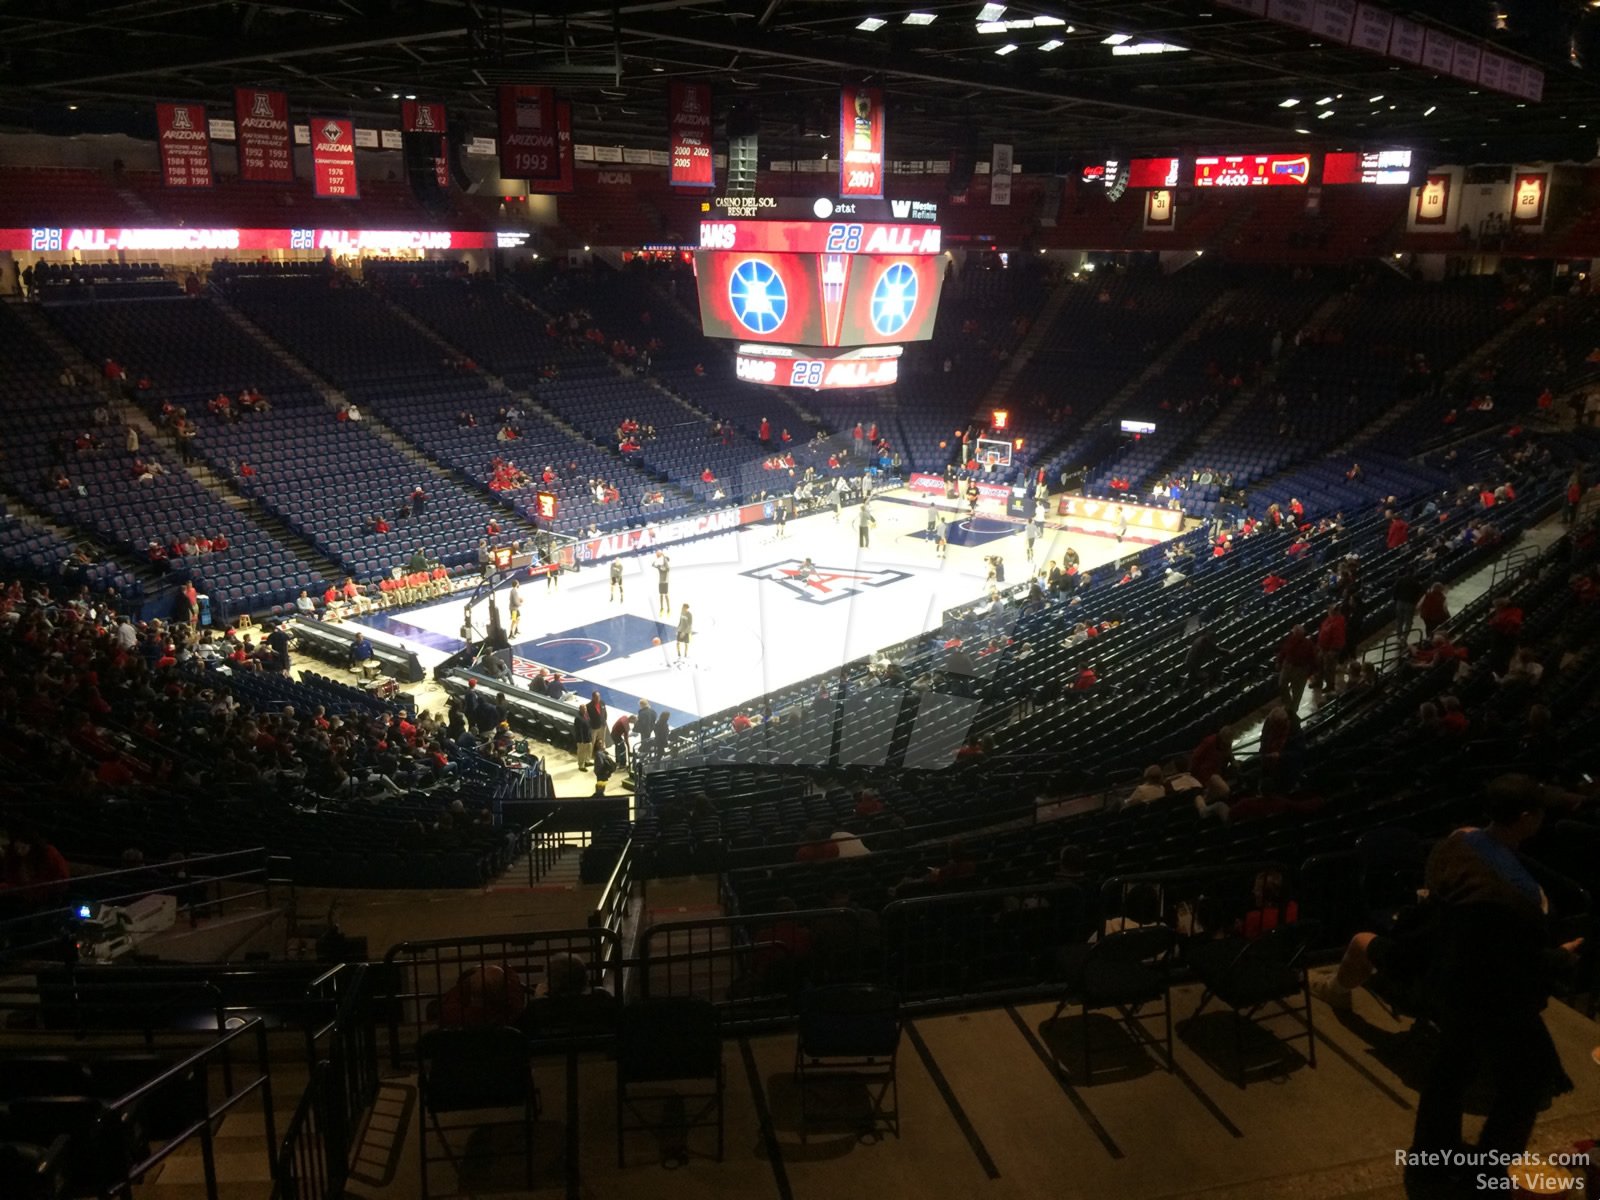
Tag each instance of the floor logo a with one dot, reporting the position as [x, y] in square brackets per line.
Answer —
[824, 585]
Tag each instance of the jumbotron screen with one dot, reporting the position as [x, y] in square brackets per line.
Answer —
[819, 283]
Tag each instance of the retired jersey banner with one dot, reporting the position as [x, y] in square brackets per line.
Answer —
[261, 128]
[861, 141]
[185, 140]
[529, 139]
[689, 126]
[563, 182]
[422, 116]
[333, 158]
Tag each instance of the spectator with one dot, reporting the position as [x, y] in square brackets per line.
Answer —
[1297, 659]
[1331, 642]
[1434, 610]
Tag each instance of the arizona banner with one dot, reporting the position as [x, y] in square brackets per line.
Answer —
[333, 158]
[689, 125]
[261, 126]
[422, 116]
[564, 180]
[529, 139]
[861, 141]
[185, 142]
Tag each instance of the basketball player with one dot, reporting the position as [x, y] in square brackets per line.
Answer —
[865, 524]
[943, 542]
[1122, 523]
[1032, 537]
[972, 499]
[806, 571]
[838, 499]
[514, 603]
[933, 521]
[780, 514]
[663, 566]
[616, 579]
[685, 631]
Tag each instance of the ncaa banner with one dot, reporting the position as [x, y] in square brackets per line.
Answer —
[689, 134]
[1000, 175]
[861, 141]
[185, 141]
[261, 128]
[333, 159]
[529, 139]
[564, 180]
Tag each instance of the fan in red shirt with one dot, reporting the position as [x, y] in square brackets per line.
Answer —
[1331, 635]
[1399, 530]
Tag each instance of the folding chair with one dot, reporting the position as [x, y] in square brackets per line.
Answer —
[669, 1040]
[1248, 976]
[851, 1031]
[1125, 971]
[466, 1070]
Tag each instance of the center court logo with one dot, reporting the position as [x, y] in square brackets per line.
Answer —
[823, 585]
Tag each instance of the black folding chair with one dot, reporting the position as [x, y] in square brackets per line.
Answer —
[1265, 973]
[669, 1040]
[851, 1031]
[1127, 971]
[469, 1070]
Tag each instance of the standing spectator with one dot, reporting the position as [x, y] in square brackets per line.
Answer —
[663, 566]
[616, 580]
[1213, 756]
[1297, 659]
[1505, 628]
[619, 738]
[1408, 591]
[1399, 530]
[583, 738]
[1331, 641]
[1434, 610]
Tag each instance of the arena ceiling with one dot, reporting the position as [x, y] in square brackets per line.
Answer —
[1060, 94]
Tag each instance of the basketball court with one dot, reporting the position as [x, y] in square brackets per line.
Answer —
[761, 621]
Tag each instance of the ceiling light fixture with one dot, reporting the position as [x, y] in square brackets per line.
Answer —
[1051, 22]
[1008, 48]
[1326, 100]
[1148, 48]
[1019, 23]
[1052, 44]
[1323, 116]
[991, 12]
[1374, 99]
[991, 26]
[919, 18]
[1289, 103]
[1116, 39]
[1432, 108]
[871, 24]
[1304, 131]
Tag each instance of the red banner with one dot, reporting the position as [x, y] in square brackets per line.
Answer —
[185, 141]
[563, 182]
[422, 116]
[529, 137]
[333, 158]
[861, 141]
[266, 147]
[690, 136]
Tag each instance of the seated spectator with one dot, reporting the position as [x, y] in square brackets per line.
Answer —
[304, 605]
[1141, 909]
[1152, 787]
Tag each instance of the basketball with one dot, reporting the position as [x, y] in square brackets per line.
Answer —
[655, 641]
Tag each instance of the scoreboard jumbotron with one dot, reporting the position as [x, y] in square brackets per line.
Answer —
[823, 303]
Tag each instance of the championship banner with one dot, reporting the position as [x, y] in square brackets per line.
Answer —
[529, 138]
[426, 118]
[564, 181]
[1527, 198]
[689, 136]
[861, 139]
[1000, 175]
[333, 159]
[422, 116]
[185, 141]
[261, 127]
